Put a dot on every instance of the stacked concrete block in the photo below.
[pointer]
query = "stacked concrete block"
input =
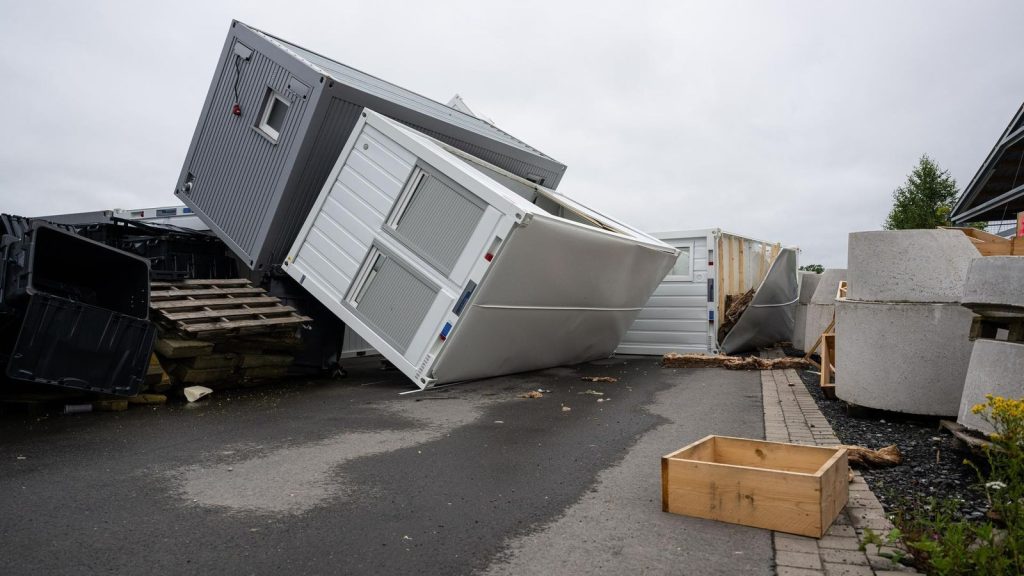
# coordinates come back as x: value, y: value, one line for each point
x: 821, y: 306
x: 808, y: 282
x: 902, y: 338
x: 995, y: 290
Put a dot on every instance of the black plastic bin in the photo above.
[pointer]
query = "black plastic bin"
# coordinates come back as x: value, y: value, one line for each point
x: 75, y: 311
x: 54, y: 261
x: 75, y: 345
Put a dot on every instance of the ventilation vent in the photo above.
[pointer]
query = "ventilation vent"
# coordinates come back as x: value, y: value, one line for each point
x: 392, y: 299
x: 435, y: 218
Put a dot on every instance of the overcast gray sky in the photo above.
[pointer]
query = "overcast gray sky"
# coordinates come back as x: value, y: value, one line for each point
x: 789, y: 121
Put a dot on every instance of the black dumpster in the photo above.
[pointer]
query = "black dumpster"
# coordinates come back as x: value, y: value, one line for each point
x: 75, y: 312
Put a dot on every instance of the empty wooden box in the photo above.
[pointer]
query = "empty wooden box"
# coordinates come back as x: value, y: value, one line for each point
x: 784, y: 487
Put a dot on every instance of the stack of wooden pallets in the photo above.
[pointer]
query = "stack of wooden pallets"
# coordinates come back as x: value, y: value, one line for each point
x: 223, y: 333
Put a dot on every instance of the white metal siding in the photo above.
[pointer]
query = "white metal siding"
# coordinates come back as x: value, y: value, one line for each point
x: 359, y: 201
x: 675, y: 319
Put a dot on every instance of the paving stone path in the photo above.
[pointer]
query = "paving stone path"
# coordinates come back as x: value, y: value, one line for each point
x: 791, y: 415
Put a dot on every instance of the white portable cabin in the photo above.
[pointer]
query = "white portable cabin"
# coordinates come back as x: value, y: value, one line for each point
x: 454, y: 269
x: 684, y: 313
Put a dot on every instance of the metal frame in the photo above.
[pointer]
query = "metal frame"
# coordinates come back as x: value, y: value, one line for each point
x: 961, y: 214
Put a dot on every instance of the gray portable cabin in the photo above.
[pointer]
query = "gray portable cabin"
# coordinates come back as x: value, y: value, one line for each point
x: 273, y: 124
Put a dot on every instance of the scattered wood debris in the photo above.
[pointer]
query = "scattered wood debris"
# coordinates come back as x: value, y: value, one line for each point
x: 673, y: 360
x: 116, y: 405
x: 735, y: 305
x: 973, y: 441
x: 609, y: 379
x: 532, y: 394
x: 148, y: 399
x: 592, y: 392
x: 862, y: 457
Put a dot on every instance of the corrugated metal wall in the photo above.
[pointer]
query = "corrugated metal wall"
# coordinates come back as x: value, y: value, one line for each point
x: 333, y: 132
x: 236, y: 169
x: 675, y: 319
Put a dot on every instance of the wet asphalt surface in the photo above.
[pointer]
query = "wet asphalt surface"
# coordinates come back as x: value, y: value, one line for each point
x: 348, y: 477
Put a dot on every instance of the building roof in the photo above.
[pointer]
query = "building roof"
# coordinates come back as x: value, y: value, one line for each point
x: 997, y: 190
x: 387, y: 91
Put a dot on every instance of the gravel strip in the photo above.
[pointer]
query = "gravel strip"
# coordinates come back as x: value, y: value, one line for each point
x: 932, y: 465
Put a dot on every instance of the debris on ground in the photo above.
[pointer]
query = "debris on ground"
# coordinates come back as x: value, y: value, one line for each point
x: 193, y: 393
x: 674, y: 360
x: 609, y: 379
x: 592, y: 392
x: 147, y: 399
x: 861, y: 457
x: 118, y: 405
x: 566, y: 408
x: 735, y: 304
x: 532, y: 394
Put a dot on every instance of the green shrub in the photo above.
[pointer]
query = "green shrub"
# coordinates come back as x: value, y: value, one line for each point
x: 942, y: 543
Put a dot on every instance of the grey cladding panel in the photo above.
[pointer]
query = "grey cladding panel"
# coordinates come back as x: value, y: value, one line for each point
x: 236, y: 169
x: 395, y: 301
x: 439, y: 221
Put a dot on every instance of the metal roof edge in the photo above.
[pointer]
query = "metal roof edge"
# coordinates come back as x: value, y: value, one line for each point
x: 972, y: 188
x: 284, y: 45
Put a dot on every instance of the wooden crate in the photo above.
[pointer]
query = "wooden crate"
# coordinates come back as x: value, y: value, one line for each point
x: 785, y: 487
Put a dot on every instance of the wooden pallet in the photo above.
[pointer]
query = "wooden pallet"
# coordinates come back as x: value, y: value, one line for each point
x: 217, y: 307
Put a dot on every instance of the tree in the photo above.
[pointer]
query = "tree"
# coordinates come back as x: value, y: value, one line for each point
x: 816, y: 268
x: 925, y: 200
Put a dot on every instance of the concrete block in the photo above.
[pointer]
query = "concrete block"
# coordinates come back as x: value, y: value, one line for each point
x: 909, y: 265
x: 808, y: 284
x: 995, y: 368
x: 800, y: 327
x: 817, y: 318
x: 995, y: 283
x: 828, y: 284
x: 904, y: 357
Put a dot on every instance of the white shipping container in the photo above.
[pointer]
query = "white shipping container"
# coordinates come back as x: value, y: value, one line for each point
x: 454, y: 269
x: 684, y: 314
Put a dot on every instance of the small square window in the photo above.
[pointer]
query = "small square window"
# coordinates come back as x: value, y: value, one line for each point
x: 683, y: 265
x: 682, y: 271
x: 272, y: 118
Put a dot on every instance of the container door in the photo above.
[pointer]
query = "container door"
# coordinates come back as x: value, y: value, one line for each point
x: 675, y: 319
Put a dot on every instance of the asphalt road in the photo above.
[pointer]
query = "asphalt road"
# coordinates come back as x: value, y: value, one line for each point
x: 348, y: 477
